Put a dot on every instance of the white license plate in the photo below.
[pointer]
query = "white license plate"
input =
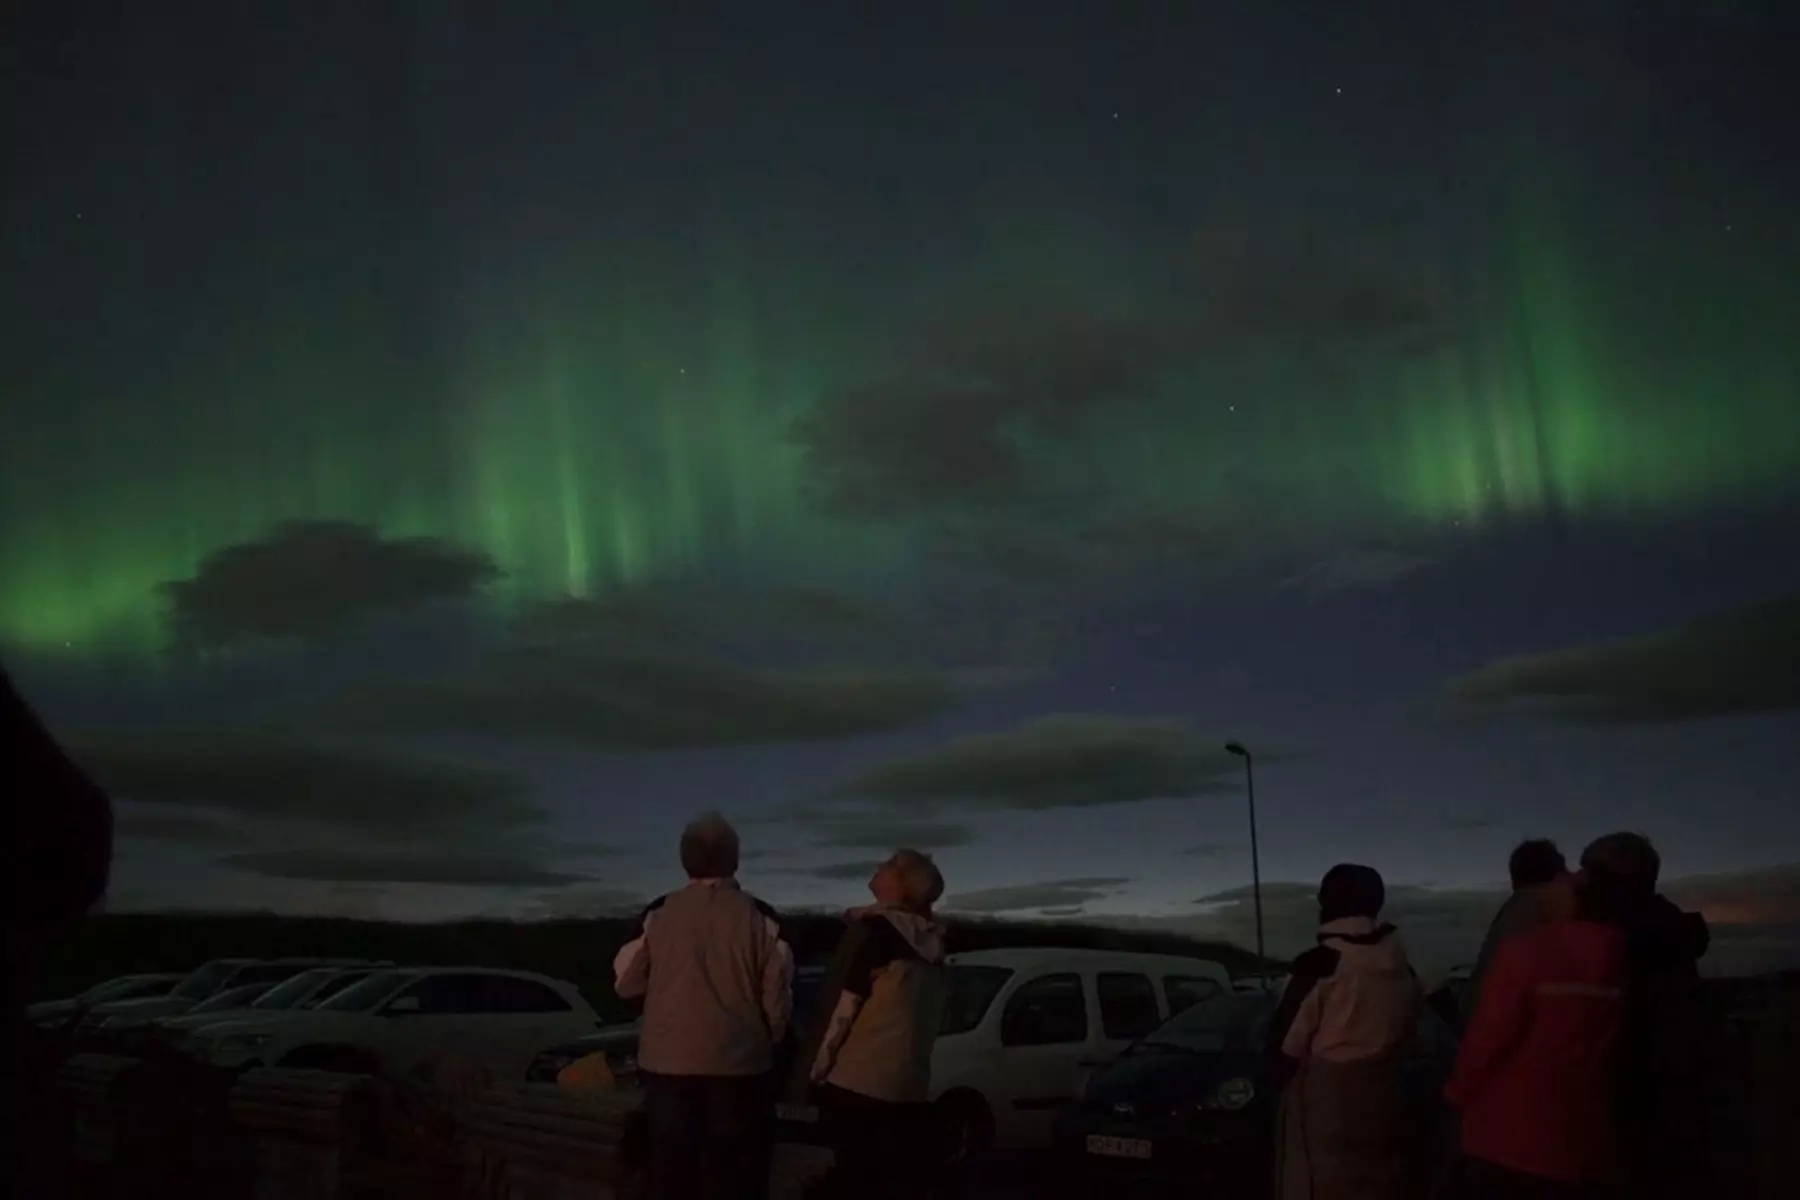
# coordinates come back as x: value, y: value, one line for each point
x: 1118, y: 1147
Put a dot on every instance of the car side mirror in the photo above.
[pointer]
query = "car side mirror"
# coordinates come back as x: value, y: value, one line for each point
x: 400, y: 1006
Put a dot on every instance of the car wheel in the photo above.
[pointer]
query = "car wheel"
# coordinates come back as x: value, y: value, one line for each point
x: 968, y: 1129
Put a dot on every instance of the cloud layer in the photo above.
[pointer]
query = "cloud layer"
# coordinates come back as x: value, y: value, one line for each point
x: 261, y: 776
x: 1029, y: 897
x: 621, y: 700
x: 1742, y: 661
x: 347, y: 865
x: 1053, y: 762
x: 310, y: 578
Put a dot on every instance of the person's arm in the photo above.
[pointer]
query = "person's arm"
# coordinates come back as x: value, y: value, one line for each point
x: 1497, y: 1024
x: 1296, y: 1017
x: 875, y: 952
x: 777, y: 976
x: 631, y: 965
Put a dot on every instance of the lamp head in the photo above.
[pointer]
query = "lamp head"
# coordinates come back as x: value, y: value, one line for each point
x: 1237, y: 748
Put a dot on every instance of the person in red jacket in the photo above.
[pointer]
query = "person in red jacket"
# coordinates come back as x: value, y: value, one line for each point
x: 1535, y: 1077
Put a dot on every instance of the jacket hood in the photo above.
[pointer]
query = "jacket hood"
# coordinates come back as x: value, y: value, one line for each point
x: 1365, y: 943
x: 922, y: 932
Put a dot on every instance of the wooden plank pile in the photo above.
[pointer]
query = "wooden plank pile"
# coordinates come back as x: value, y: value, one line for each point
x: 312, y: 1131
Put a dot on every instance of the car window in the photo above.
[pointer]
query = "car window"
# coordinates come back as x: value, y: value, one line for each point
x: 333, y: 986
x: 231, y: 997
x: 361, y: 997
x: 266, y: 973
x: 1050, y: 1011
x: 509, y: 994
x: 1185, y: 991
x: 970, y: 994
x: 292, y: 991
x: 446, y: 994
x: 206, y: 980
x: 1128, y: 1006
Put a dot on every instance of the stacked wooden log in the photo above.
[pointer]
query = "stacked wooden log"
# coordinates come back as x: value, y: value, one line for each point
x: 312, y: 1132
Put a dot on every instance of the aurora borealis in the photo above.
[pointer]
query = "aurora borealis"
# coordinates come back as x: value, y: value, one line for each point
x: 1035, y: 352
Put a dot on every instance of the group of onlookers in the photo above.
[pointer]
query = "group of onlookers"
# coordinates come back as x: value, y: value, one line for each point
x: 715, y: 976
x: 1578, y: 1068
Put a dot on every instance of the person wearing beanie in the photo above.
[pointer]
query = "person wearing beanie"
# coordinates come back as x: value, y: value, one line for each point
x: 1335, y: 1049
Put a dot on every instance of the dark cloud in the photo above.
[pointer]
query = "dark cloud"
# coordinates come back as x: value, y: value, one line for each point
x: 946, y: 433
x: 133, y: 822
x: 1289, y: 281
x: 620, y: 700
x: 581, y: 900
x: 1354, y: 568
x: 345, y: 865
x: 1211, y: 850
x: 951, y: 430
x: 1743, y: 661
x: 309, y: 578
x: 883, y: 832
x: 1054, y: 762
x: 1025, y: 897
x: 858, y: 870
x: 262, y: 775
x: 1074, y: 911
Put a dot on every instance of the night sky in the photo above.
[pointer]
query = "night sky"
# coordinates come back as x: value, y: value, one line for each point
x: 447, y: 446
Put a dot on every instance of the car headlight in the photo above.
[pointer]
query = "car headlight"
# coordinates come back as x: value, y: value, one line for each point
x: 1231, y: 1095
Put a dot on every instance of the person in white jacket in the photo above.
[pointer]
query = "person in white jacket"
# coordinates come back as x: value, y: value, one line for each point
x: 873, y: 1064
x: 716, y: 979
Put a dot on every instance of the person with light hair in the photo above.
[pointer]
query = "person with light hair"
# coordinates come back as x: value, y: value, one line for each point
x: 872, y: 1065
x: 716, y: 979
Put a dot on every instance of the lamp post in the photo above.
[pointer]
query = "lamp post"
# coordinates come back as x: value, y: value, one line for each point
x: 1238, y: 749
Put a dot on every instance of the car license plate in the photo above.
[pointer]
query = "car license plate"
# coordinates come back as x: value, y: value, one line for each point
x: 1118, y: 1147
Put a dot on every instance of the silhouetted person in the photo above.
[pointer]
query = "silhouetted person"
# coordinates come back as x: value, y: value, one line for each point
x: 58, y: 857
x: 1335, y: 1047
x: 1667, y: 1039
x: 873, y: 1063
x: 1541, y: 892
x: 716, y: 979
x: 1536, y: 1074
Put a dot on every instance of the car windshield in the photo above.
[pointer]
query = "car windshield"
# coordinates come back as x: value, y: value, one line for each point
x: 237, y: 997
x: 205, y: 981
x: 333, y: 987
x: 291, y: 992
x: 972, y: 990
x: 361, y: 997
x: 1232, y: 1022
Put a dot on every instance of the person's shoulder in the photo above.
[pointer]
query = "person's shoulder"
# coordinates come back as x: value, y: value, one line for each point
x: 1319, y: 963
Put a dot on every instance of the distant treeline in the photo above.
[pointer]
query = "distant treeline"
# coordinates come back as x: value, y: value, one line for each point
x: 580, y: 951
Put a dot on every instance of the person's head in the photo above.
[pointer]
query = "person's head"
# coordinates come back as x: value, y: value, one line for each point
x: 1535, y: 861
x: 908, y: 879
x: 1629, y: 855
x: 1351, y: 890
x: 709, y: 848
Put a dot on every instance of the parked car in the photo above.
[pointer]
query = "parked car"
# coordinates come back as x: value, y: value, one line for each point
x: 237, y: 996
x: 620, y: 1042
x: 308, y: 989
x: 1188, y: 1105
x: 124, y: 987
x: 204, y: 983
x: 1025, y: 1026
x: 394, y: 1020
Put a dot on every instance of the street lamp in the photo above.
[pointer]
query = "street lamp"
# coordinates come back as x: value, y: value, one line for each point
x: 1238, y: 749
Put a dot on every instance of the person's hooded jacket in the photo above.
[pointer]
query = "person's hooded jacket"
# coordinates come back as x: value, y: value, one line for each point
x: 1534, y: 1077
x: 880, y: 1034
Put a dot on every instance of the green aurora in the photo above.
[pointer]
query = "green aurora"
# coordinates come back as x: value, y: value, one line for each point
x: 609, y: 437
